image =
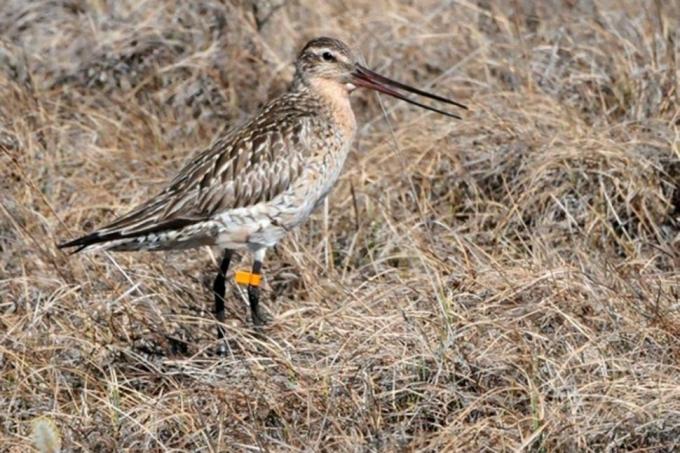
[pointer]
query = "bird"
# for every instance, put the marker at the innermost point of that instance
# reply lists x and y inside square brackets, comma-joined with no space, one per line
[255,183]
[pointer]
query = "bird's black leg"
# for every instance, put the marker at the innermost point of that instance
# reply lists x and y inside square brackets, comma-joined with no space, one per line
[259,316]
[218,289]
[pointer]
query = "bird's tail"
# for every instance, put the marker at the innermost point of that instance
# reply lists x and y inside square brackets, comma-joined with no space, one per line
[164,235]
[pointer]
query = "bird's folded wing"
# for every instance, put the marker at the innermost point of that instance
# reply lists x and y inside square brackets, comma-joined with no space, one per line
[238,171]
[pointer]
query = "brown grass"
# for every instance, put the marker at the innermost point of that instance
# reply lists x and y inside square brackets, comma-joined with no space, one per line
[506,282]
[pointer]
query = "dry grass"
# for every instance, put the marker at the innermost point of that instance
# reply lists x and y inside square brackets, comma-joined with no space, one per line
[506,282]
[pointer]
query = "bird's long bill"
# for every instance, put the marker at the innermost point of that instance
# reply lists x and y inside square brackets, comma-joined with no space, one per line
[369,79]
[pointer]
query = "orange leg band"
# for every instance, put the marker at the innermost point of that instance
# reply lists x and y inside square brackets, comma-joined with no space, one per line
[247,278]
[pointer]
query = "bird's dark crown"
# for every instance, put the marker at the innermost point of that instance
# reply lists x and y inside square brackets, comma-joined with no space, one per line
[317,45]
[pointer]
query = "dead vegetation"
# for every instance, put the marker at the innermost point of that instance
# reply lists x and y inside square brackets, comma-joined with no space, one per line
[506,282]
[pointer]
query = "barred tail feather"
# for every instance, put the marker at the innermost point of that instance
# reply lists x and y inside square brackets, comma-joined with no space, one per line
[128,240]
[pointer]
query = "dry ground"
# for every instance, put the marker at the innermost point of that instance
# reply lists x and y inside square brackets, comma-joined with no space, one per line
[509,281]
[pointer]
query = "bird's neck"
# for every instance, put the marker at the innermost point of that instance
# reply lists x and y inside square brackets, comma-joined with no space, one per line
[335,97]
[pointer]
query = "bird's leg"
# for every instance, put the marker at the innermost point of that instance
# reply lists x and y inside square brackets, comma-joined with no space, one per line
[259,316]
[218,289]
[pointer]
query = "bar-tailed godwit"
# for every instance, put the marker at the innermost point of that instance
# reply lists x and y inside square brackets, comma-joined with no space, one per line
[257,182]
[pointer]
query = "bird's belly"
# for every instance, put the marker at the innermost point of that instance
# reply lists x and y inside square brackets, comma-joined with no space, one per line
[309,195]
[264,224]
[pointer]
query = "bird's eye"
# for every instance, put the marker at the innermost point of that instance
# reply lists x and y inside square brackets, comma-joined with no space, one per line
[327,56]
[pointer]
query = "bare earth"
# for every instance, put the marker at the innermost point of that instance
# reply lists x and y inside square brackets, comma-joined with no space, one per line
[506,282]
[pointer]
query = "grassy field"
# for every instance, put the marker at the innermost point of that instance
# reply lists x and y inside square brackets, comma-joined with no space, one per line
[505,282]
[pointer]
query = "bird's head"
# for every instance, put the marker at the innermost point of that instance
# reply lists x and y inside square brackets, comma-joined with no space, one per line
[329,60]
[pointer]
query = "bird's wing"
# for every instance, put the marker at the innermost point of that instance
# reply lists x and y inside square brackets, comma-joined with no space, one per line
[251,165]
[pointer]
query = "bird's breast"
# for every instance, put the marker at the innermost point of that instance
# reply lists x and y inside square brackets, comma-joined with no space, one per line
[344,119]
[335,97]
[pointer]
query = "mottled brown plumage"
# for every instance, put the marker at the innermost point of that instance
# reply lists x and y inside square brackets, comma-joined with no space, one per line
[257,182]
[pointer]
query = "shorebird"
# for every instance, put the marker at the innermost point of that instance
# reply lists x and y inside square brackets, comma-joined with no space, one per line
[257,182]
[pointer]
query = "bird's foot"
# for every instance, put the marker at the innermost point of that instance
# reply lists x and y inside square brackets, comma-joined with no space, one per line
[260,317]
